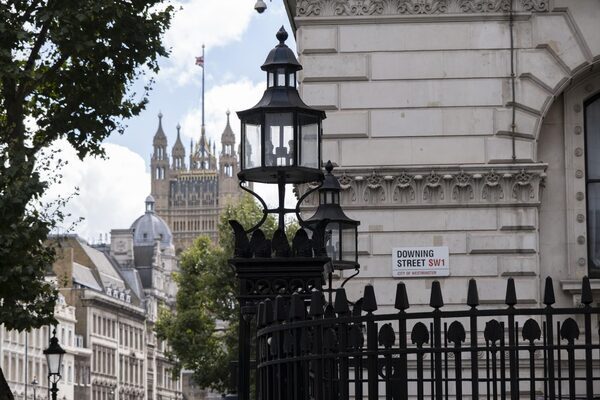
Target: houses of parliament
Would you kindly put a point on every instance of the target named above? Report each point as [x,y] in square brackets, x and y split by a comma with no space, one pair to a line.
[190,190]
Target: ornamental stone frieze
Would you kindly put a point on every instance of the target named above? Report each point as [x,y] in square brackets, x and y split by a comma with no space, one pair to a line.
[489,185]
[329,8]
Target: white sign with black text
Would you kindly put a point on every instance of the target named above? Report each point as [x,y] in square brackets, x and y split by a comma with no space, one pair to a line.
[415,262]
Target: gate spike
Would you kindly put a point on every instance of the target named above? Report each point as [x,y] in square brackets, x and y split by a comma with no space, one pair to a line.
[401,297]
[268,315]
[436,300]
[316,304]
[549,292]
[297,310]
[280,309]
[586,291]
[329,313]
[340,305]
[511,293]
[472,294]
[260,317]
[369,300]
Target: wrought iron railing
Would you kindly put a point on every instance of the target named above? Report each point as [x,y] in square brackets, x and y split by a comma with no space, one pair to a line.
[314,350]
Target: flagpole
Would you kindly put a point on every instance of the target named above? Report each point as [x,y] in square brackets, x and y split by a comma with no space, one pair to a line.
[203,67]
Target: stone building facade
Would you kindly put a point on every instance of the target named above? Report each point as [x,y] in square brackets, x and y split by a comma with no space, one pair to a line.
[24,363]
[467,124]
[191,191]
[116,290]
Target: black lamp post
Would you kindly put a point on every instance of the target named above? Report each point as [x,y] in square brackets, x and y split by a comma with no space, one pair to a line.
[280,144]
[281,135]
[54,355]
[34,383]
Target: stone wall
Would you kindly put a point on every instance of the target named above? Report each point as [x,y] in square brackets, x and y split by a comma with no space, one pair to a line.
[420,112]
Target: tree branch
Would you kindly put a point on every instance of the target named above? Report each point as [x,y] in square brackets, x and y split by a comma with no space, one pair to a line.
[35,50]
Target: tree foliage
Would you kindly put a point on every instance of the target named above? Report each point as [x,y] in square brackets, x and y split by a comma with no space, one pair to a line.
[65,72]
[202,332]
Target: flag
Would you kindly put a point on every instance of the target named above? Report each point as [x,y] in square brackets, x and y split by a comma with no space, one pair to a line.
[200,61]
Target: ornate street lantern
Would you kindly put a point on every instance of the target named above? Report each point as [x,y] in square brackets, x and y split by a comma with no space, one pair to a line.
[341,232]
[54,355]
[281,135]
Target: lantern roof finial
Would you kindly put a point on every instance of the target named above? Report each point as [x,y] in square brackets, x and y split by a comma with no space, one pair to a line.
[329,167]
[330,182]
[281,35]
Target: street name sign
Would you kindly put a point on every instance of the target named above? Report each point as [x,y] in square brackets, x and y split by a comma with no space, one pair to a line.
[416,262]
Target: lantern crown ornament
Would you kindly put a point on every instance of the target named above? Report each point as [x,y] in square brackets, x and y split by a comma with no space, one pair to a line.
[281,135]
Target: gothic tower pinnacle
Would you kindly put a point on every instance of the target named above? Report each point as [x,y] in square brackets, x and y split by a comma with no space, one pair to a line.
[159,166]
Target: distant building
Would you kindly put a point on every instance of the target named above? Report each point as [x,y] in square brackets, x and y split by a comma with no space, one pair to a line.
[116,290]
[191,191]
[23,360]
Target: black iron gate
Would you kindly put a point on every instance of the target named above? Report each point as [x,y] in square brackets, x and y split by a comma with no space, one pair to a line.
[313,350]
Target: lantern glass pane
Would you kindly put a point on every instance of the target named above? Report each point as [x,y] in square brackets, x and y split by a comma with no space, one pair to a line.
[252,146]
[328,197]
[53,361]
[348,236]
[270,79]
[292,79]
[281,77]
[279,143]
[309,141]
[332,242]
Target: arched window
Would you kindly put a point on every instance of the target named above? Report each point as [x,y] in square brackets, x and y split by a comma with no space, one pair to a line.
[592,146]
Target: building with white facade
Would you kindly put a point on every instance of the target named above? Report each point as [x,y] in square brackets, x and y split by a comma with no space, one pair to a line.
[23,361]
[116,290]
[469,125]
[108,305]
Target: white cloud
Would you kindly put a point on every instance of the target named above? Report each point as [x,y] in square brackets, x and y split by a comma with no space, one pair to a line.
[111,190]
[214,23]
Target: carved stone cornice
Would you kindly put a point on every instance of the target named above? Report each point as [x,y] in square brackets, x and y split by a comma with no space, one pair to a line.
[329,8]
[420,187]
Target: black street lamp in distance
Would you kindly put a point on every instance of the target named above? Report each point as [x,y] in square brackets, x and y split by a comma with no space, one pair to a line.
[54,355]
[34,383]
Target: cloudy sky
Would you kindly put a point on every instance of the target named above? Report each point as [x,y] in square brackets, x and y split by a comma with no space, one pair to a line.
[237,39]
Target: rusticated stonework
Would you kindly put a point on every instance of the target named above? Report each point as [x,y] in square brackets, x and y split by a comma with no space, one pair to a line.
[502,184]
[328,8]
